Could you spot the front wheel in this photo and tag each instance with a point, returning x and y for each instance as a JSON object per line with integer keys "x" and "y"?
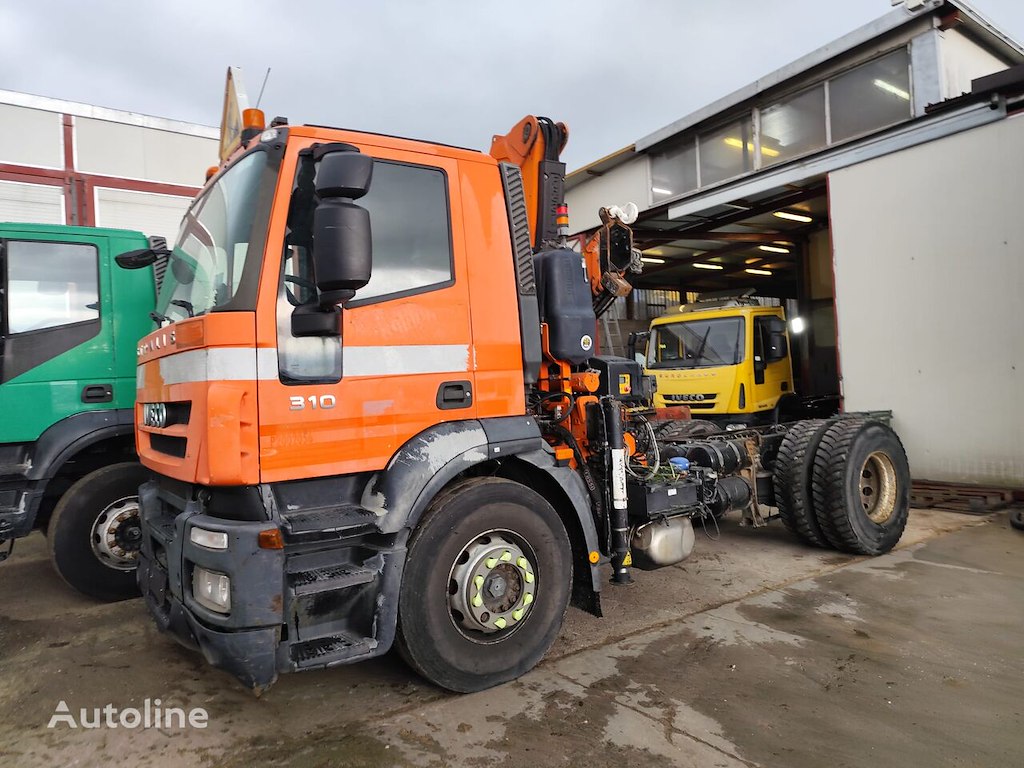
{"x": 485, "y": 587}
{"x": 94, "y": 532}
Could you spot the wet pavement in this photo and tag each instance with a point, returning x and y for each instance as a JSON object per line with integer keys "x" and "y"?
{"x": 756, "y": 651}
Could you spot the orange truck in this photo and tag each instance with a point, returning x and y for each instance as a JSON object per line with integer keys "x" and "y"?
{"x": 374, "y": 416}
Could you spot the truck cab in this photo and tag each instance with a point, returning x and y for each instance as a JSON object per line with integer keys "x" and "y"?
{"x": 69, "y": 323}
{"x": 727, "y": 360}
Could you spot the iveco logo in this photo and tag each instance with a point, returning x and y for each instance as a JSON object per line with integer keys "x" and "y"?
{"x": 690, "y": 398}
{"x": 154, "y": 415}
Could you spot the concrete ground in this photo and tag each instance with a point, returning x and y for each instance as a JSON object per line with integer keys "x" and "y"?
{"x": 756, "y": 651}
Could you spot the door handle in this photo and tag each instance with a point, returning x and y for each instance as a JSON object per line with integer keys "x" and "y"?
{"x": 454, "y": 394}
{"x": 98, "y": 393}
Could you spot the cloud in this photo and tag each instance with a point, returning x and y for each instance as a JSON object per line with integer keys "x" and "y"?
{"x": 451, "y": 71}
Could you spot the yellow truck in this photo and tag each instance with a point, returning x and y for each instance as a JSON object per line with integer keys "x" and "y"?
{"x": 727, "y": 359}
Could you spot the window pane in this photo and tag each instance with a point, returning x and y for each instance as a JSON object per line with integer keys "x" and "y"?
{"x": 408, "y": 209}
{"x": 302, "y": 358}
{"x": 50, "y": 284}
{"x": 793, "y": 127}
{"x": 871, "y": 96}
{"x": 727, "y": 152}
{"x": 698, "y": 343}
{"x": 674, "y": 171}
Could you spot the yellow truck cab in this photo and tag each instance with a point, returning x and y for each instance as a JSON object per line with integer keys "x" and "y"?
{"x": 728, "y": 360}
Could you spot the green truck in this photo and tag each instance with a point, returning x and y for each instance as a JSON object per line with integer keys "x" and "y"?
{"x": 70, "y": 321}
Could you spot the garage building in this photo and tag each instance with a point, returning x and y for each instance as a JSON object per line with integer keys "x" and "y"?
{"x": 874, "y": 185}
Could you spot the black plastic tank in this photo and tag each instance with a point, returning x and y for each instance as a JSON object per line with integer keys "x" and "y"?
{"x": 566, "y": 304}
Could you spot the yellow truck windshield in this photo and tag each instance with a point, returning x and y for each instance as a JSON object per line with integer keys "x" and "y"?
{"x": 697, "y": 343}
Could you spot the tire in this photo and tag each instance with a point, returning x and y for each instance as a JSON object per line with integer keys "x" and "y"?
{"x": 1017, "y": 519}
{"x": 861, "y": 486}
{"x": 793, "y": 476}
{"x": 106, "y": 499}
{"x": 468, "y": 646}
{"x": 688, "y": 429}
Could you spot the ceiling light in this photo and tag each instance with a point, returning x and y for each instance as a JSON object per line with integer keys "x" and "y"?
{"x": 738, "y": 144}
{"x": 660, "y": 191}
{"x": 793, "y": 217}
{"x": 654, "y": 252}
{"x": 755, "y": 260}
{"x": 773, "y": 249}
{"x": 797, "y": 325}
{"x": 763, "y": 272}
{"x": 890, "y": 88}
{"x": 649, "y": 260}
{"x": 700, "y": 265}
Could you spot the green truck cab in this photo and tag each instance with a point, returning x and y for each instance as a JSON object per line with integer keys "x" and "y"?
{"x": 727, "y": 360}
{"x": 69, "y": 325}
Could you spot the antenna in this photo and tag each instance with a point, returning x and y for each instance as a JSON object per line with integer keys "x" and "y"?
{"x": 260, "y": 97}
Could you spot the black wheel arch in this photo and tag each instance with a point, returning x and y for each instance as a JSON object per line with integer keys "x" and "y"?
{"x": 509, "y": 447}
{"x": 53, "y": 466}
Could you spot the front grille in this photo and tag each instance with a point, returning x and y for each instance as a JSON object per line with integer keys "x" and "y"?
{"x": 691, "y": 399}
{"x": 168, "y": 444}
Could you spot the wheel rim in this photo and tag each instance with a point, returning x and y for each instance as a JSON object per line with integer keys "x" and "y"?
{"x": 492, "y": 586}
{"x": 878, "y": 487}
{"x": 116, "y": 534}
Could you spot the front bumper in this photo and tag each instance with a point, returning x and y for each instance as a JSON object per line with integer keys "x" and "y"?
{"x": 313, "y": 604}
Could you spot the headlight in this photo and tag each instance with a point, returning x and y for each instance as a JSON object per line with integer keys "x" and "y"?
{"x": 209, "y": 539}
{"x": 211, "y": 589}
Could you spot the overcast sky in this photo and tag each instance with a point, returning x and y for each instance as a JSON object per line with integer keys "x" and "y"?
{"x": 456, "y": 71}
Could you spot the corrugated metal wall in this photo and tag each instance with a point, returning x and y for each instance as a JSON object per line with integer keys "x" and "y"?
{"x": 929, "y": 266}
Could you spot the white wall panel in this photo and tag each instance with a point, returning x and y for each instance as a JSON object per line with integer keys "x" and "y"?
{"x": 929, "y": 265}
{"x": 135, "y": 152}
{"x": 31, "y": 137}
{"x": 627, "y": 183}
{"x": 149, "y": 213}
{"x": 33, "y": 203}
{"x": 963, "y": 60}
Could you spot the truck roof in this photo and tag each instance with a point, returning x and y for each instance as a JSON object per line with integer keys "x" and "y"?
{"x": 723, "y": 308}
{"x": 68, "y": 229}
{"x": 393, "y": 142}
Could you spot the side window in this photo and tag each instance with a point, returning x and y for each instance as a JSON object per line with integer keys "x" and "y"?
{"x": 309, "y": 359}
{"x": 50, "y": 285}
{"x": 412, "y": 253}
{"x": 412, "y": 249}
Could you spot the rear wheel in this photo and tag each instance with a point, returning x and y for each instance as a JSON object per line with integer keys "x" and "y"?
{"x": 861, "y": 486}
{"x": 94, "y": 533}
{"x": 1017, "y": 519}
{"x": 794, "y": 470}
{"x": 486, "y": 584}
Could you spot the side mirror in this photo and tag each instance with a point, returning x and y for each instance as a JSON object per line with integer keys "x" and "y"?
{"x": 778, "y": 347}
{"x": 636, "y": 346}
{"x": 143, "y": 257}
{"x": 341, "y": 229}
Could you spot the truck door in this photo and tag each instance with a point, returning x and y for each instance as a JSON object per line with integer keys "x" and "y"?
{"x": 55, "y": 342}
{"x": 773, "y": 375}
{"x": 403, "y": 364}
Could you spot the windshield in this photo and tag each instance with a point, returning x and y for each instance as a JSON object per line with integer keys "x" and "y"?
{"x": 697, "y": 344}
{"x": 213, "y": 247}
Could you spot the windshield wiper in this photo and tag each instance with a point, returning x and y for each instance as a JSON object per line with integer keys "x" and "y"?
{"x": 186, "y": 305}
{"x": 159, "y": 319}
{"x": 700, "y": 350}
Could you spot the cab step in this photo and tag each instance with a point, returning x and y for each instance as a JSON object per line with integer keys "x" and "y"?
{"x": 328, "y": 521}
{"x": 329, "y": 577}
{"x": 332, "y": 649}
